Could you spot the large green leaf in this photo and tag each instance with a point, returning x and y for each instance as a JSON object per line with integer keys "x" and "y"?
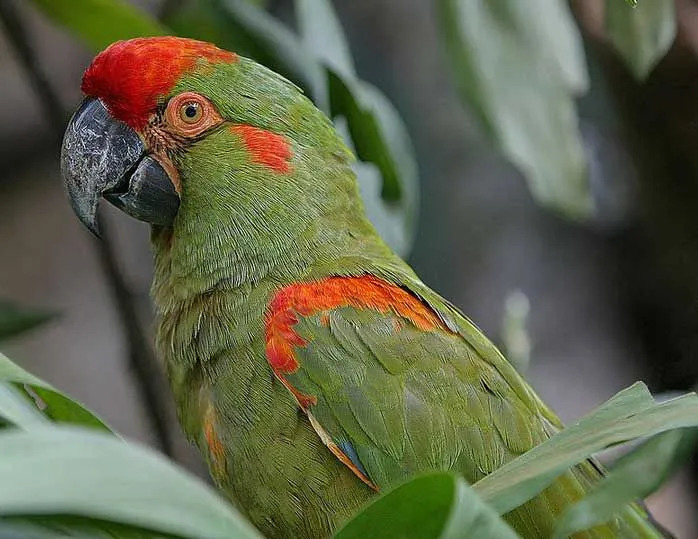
{"x": 630, "y": 414}
{"x": 438, "y": 505}
{"x": 52, "y": 403}
{"x": 15, "y": 320}
{"x": 322, "y": 33}
{"x": 518, "y": 66}
{"x": 101, "y": 22}
{"x": 643, "y": 33}
{"x": 74, "y": 472}
{"x": 633, "y": 477}
{"x": 53, "y": 527}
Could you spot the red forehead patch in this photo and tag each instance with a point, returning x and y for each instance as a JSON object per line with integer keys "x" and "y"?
{"x": 129, "y": 76}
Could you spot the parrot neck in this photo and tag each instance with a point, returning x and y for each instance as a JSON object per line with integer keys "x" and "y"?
{"x": 232, "y": 246}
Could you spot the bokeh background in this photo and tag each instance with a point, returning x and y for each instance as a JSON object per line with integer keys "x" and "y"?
{"x": 612, "y": 298}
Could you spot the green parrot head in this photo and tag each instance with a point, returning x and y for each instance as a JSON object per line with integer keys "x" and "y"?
{"x": 208, "y": 146}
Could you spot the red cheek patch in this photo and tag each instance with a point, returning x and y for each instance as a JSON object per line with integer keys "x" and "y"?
{"x": 266, "y": 148}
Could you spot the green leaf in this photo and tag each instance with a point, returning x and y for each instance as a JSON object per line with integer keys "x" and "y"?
{"x": 387, "y": 173}
{"x": 15, "y": 320}
{"x": 240, "y": 26}
{"x": 518, "y": 66}
{"x": 633, "y": 477}
{"x": 630, "y": 414}
{"x": 16, "y": 409}
{"x": 101, "y": 22}
{"x": 437, "y": 505}
{"x": 75, "y": 472}
{"x": 322, "y": 33}
{"x": 51, "y": 527}
{"x": 53, "y": 404}
{"x": 642, "y": 35}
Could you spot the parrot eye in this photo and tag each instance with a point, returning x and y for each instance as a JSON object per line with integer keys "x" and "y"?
{"x": 190, "y": 114}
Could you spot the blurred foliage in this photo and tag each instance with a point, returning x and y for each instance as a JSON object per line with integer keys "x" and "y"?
{"x": 15, "y": 320}
{"x": 642, "y": 35}
{"x": 99, "y": 23}
{"x": 633, "y": 477}
{"x": 88, "y": 474}
{"x": 515, "y": 339}
{"x": 30, "y": 397}
{"x": 519, "y": 66}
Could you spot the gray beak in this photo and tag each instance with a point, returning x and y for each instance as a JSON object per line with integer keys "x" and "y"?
{"x": 103, "y": 157}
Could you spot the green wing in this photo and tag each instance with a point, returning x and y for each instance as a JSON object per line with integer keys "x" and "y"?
{"x": 398, "y": 400}
{"x": 403, "y": 400}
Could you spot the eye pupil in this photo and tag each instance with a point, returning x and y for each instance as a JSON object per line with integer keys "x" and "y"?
{"x": 190, "y": 112}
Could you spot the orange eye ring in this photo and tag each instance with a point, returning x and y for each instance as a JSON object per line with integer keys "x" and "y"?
{"x": 190, "y": 114}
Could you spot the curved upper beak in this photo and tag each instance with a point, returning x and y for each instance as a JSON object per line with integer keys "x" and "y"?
{"x": 103, "y": 157}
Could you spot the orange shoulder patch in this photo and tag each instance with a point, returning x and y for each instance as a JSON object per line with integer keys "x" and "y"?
{"x": 304, "y": 299}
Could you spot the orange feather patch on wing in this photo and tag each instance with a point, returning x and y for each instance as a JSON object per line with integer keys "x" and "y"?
{"x": 129, "y": 76}
{"x": 267, "y": 148}
{"x": 304, "y": 299}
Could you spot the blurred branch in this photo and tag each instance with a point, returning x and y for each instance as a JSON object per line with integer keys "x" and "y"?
{"x": 142, "y": 361}
{"x": 18, "y": 38}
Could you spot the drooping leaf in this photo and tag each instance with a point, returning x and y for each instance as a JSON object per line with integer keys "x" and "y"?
{"x": 518, "y": 66}
{"x": 633, "y": 477}
{"x": 53, "y": 404}
{"x": 249, "y": 30}
{"x": 379, "y": 137}
{"x": 15, "y": 320}
{"x": 81, "y": 473}
{"x": 99, "y": 23}
{"x": 630, "y": 414}
{"x": 322, "y": 33}
{"x": 643, "y": 33}
{"x": 437, "y": 505}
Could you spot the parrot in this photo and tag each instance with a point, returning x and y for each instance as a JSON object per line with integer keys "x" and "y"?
{"x": 309, "y": 364}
